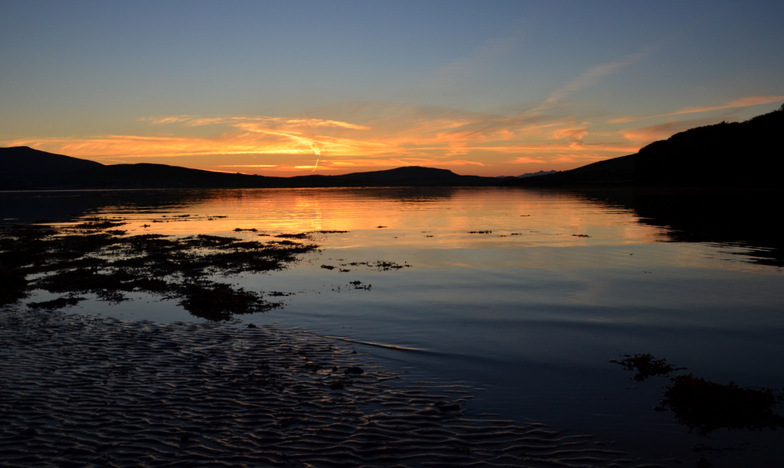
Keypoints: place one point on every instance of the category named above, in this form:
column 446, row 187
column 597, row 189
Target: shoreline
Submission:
column 89, row 390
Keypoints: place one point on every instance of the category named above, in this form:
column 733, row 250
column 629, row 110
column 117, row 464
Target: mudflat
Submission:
column 87, row 390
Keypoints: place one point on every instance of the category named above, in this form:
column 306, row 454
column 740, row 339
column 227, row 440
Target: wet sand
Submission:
column 79, row 390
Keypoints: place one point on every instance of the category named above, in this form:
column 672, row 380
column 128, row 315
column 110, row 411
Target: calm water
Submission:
column 527, row 295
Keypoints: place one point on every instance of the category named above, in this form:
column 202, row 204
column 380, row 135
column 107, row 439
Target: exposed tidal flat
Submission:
column 500, row 309
column 95, row 391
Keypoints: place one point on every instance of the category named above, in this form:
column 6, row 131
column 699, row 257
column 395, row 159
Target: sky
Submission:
column 283, row 88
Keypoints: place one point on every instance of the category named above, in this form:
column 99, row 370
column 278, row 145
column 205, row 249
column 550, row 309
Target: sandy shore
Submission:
column 79, row 391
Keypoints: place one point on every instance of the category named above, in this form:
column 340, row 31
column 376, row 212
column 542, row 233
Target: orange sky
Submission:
column 294, row 88
column 467, row 143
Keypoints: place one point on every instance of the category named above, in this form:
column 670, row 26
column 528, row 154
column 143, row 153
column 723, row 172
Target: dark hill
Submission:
column 163, row 176
column 402, row 176
column 23, row 168
column 22, row 160
column 727, row 154
column 740, row 154
column 409, row 173
column 610, row 172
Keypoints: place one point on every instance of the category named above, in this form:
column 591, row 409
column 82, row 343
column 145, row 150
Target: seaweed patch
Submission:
column 377, row 265
column 645, row 365
column 94, row 257
column 706, row 406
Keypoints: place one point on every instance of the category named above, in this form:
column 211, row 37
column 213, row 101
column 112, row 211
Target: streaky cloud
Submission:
column 197, row 121
column 737, row 103
column 367, row 135
column 588, row 78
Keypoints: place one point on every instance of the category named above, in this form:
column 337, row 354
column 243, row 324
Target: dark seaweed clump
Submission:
column 13, row 286
column 378, row 265
column 706, row 406
column 645, row 365
column 219, row 301
column 96, row 257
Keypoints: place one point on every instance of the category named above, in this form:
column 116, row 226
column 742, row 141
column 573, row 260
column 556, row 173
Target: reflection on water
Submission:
column 727, row 217
column 723, row 217
column 65, row 206
column 528, row 293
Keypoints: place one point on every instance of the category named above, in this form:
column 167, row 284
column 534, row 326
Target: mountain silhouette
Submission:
column 740, row 154
column 722, row 155
column 22, row 160
column 23, row 168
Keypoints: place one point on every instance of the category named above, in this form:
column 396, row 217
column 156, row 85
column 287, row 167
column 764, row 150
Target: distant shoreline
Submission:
column 740, row 154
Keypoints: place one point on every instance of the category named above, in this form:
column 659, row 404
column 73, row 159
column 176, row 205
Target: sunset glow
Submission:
column 401, row 232
column 529, row 88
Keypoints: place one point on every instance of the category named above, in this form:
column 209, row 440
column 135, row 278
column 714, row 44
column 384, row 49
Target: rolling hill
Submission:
column 740, row 154
column 722, row 155
column 23, row 168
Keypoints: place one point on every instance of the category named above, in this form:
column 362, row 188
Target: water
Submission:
column 526, row 295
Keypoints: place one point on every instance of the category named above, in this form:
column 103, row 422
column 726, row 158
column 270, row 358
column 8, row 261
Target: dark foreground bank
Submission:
column 94, row 391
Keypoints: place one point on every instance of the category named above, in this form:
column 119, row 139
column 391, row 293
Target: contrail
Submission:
column 317, row 151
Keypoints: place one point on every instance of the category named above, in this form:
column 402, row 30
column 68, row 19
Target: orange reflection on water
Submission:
column 440, row 218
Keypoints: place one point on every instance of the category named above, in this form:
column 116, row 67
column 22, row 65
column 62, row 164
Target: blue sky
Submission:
column 296, row 87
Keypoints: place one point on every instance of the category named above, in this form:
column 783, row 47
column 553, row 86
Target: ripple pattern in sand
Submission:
column 79, row 391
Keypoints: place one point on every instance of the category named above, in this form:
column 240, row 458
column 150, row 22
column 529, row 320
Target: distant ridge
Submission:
column 536, row 174
column 23, row 168
column 22, row 160
column 741, row 154
column 726, row 154
column 411, row 175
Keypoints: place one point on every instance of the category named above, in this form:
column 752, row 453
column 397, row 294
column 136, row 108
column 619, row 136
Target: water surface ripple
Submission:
column 97, row 391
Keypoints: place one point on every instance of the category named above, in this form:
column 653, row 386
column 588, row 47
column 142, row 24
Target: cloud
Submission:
column 333, row 139
column 645, row 135
column 588, row 78
column 197, row 121
column 166, row 120
column 464, row 74
column 737, row 103
column 528, row 160
column 247, row 165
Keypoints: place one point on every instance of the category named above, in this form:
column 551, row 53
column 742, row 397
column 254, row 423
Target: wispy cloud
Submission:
column 588, row 78
column 644, row 135
column 737, row 103
column 247, row 165
column 370, row 135
column 199, row 121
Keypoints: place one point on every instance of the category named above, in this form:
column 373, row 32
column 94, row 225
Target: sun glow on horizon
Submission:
column 281, row 88
column 470, row 143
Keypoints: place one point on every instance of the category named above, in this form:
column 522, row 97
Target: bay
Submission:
column 525, row 295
